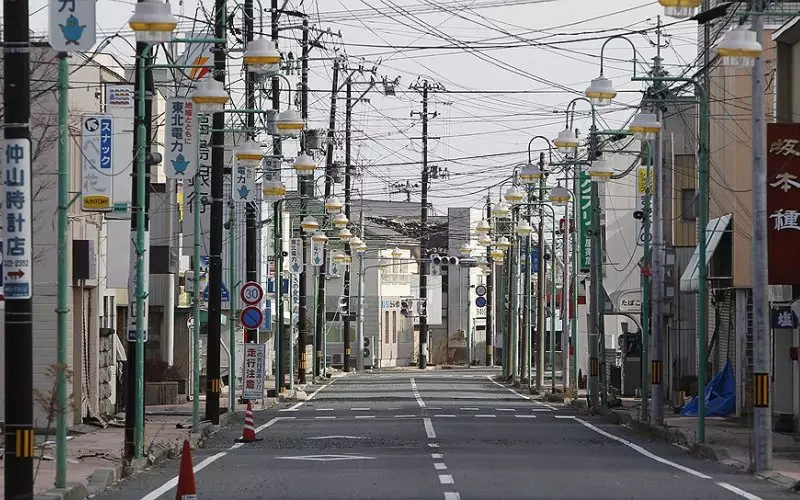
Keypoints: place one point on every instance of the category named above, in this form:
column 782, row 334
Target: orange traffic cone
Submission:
column 249, row 432
column 186, row 488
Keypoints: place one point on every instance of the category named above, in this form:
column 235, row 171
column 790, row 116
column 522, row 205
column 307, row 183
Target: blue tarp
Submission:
column 720, row 396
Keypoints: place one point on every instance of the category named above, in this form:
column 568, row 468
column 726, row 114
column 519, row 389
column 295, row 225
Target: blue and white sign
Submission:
column 266, row 324
column 535, row 260
column 480, row 301
column 181, row 137
column 316, row 253
column 72, row 25
column 251, row 317
column 296, row 256
column 97, row 165
column 17, row 260
column 225, row 295
column 244, row 184
column 2, row 297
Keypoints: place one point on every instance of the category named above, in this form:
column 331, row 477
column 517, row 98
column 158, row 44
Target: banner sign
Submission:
column 783, row 203
column 585, row 218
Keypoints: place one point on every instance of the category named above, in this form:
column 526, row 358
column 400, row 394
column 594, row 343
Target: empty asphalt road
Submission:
column 440, row 434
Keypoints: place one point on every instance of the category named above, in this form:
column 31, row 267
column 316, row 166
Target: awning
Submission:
column 714, row 231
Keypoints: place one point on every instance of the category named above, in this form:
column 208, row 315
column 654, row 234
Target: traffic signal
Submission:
column 405, row 307
column 453, row 261
column 344, row 303
column 436, row 259
column 422, row 309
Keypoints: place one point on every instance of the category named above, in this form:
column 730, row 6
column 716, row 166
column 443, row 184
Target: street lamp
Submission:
column 249, row 154
column 210, row 96
column 397, row 253
column 340, row 220
column 601, row 91
column 531, row 173
column 290, row 123
column 645, row 126
column 152, row 22
column 261, row 57
column 333, row 205
column 466, row 250
column 483, row 227
column 501, row 210
column 524, row 228
column 485, row 240
column 559, row 196
column 355, row 242
column 514, row 195
column 502, row 243
column 339, row 257
column 740, row 48
column 304, row 165
column 567, row 141
column 274, row 191
column 344, row 234
column 680, row 9
column 319, row 238
column 309, row 224
column 600, row 171
column 360, row 249
column 497, row 255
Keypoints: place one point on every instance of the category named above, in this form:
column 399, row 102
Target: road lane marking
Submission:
column 445, row 416
column 172, row 483
column 433, row 445
column 364, row 416
column 446, row 479
column 434, row 407
column 416, row 393
column 324, row 409
column 525, row 416
column 429, row 428
column 738, row 491
column 293, row 407
column 436, row 456
column 404, row 416
column 541, row 409
column 506, row 409
column 451, row 495
column 565, row 417
column 470, row 409
column 439, row 466
column 359, row 409
column 485, row 416
column 324, row 418
column 641, row 450
column 297, row 406
column 512, row 391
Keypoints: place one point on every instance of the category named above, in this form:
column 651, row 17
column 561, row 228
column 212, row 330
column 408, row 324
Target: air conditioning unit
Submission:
column 336, row 359
column 369, row 352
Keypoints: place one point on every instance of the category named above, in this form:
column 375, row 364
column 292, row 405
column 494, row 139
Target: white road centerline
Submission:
column 485, row 416
column 446, row 479
column 451, row 495
column 359, row 409
column 416, row 393
column 324, row 409
column 364, row 416
column 429, row 428
column 404, row 416
column 738, row 491
column 506, row 409
column 524, row 416
column 436, row 456
column 433, row 445
column 470, row 409
column 445, row 416
column 324, row 418
column 439, row 466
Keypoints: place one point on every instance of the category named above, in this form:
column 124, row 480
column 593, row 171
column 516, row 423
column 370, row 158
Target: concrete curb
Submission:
column 701, row 450
column 104, row 477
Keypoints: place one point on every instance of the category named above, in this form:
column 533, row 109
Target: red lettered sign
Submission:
column 783, row 202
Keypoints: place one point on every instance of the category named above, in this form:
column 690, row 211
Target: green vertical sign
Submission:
column 585, row 198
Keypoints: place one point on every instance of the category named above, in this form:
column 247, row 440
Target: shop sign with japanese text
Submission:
column 783, row 202
column 253, row 371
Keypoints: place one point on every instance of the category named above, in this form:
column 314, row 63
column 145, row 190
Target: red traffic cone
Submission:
column 249, row 432
column 186, row 488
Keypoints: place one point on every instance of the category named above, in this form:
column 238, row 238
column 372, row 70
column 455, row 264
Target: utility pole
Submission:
column 323, row 270
column 540, row 284
column 762, row 341
column 489, row 290
column 597, row 302
column 18, row 430
column 251, row 245
column 213, row 379
column 277, row 152
column 423, row 239
column 525, row 337
column 565, row 293
column 657, row 256
column 645, row 283
column 303, row 185
column 348, row 173
column 137, row 283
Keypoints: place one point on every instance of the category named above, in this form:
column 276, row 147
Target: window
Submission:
column 394, row 327
column 386, row 326
column 688, row 204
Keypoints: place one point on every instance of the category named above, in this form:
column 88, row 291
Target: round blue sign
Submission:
column 480, row 301
column 251, row 317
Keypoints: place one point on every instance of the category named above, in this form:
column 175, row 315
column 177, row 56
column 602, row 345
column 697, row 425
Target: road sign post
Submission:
column 73, row 25
column 251, row 317
column 251, row 293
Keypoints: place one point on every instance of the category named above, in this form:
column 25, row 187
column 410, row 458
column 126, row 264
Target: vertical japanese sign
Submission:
column 296, row 256
column 72, row 25
column 244, row 184
column 203, row 177
column 585, row 213
column 641, row 190
column 295, row 293
column 253, row 371
column 97, row 162
column 181, row 135
column 119, row 104
column 783, row 203
column 17, row 234
column 316, row 253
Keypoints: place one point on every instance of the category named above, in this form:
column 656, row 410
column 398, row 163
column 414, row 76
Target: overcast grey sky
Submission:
column 544, row 52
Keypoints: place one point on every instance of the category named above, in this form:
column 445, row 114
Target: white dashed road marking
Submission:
column 451, row 495
column 446, row 479
column 525, row 416
column 439, row 466
column 415, row 391
column 429, row 428
column 485, row 416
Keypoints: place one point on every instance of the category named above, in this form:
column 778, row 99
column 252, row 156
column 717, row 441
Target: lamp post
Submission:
column 484, row 230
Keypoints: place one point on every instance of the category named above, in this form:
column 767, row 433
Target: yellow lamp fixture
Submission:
column 210, row 96
column 355, row 242
column 501, row 210
column 680, row 9
column 333, row 205
column 559, row 196
column 485, row 240
column 739, row 48
column 262, row 57
column 152, row 22
column 339, row 257
column 524, row 228
column 600, row 171
column 483, row 227
column 497, row 255
column 396, row 253
column 466, row 250
column 340, row 220
column 304, row 165
column 645, row 126
column 274, row 191
column 601, row 92
column 566, row 141
column 290, row 123
column 502, row 243
column 249, row 154
column 514, row 195
column 319, row 238
column 361, row 248
column 309, row 224
column 344, row 234
column 531, row 173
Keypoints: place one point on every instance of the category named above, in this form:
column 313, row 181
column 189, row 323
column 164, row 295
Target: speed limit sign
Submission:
column 251, row 293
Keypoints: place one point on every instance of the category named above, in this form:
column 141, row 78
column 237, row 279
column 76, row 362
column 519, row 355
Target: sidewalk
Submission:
column 94, row 454
column 727, row 441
